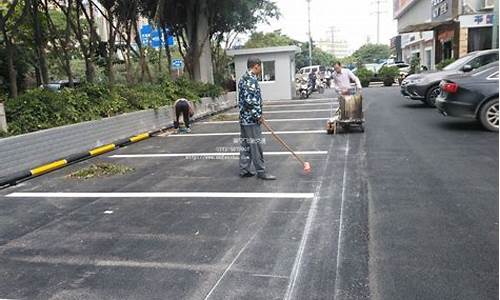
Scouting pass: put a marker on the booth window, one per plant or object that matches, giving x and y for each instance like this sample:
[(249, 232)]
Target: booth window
[(268, 71)]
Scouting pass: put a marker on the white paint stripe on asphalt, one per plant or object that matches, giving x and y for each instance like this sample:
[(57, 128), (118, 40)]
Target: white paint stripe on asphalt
[(311, 215), (230, 265), (301, 100), (270, 276), (341, 223), (159, 195), (298, 104), (210, 154), (285, 111), (268, 120), (237, 133)]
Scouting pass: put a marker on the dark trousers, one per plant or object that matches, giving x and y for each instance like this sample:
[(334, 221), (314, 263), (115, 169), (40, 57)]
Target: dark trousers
[(251, 148), (181, 107)]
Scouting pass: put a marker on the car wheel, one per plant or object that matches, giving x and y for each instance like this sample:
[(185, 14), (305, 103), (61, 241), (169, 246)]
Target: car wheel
[(488, 115), (432, 94)]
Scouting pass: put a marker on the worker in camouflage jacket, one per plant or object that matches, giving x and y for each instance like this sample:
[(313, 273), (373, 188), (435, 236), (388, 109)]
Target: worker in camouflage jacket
[(250, 105)]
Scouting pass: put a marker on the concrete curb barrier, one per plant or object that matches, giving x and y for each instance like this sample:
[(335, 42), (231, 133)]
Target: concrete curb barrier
[(207, 107)]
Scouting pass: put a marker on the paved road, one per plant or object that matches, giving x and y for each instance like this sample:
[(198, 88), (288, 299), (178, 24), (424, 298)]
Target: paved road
[(407, 210)]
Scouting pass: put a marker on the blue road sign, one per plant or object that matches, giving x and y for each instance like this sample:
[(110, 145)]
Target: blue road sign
[(177, 64), (154, 37)]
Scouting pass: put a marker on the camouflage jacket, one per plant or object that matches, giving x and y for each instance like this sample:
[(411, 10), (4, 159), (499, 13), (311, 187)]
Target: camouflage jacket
[(249, 99)]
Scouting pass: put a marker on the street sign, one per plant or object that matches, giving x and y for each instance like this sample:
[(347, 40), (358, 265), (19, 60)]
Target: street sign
[(177, 64), (154, 37)]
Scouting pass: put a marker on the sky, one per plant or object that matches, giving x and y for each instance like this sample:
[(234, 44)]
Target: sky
[(354, 20)]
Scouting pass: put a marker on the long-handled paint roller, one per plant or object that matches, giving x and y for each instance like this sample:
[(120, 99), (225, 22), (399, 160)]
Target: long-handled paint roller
[(305, 164)]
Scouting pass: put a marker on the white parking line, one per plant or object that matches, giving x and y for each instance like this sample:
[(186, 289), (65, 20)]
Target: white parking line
[(268, 120), (229, 266), (299, 104), (212, 154), (159, 195), (301, 100), (237, 133), (285, 111)]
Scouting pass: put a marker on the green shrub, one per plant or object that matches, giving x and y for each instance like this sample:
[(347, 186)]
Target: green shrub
[(444, 63), (364, 76), (41, 109), (389, 72)]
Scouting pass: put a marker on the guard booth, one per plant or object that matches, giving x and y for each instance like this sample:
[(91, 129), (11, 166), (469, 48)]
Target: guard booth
[(277, 80)]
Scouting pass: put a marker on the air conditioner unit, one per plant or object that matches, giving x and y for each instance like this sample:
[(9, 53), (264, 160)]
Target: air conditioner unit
[(489, 4)]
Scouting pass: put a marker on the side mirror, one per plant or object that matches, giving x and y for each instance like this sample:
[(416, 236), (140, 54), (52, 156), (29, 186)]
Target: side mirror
[(467, 68)]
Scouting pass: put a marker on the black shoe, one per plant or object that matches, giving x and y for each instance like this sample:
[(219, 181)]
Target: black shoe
[(265, 176), (247, 174)]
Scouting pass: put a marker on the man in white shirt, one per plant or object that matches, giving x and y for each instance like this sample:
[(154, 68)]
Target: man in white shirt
[(342, 79)]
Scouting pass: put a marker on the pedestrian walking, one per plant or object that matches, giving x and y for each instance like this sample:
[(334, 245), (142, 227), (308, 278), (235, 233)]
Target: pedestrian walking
[(250, 105), (184, 108)]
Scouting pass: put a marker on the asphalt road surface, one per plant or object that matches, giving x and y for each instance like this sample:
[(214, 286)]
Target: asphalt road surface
[(406, 210)]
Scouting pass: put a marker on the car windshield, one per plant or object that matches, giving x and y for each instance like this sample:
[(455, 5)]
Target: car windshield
[(457, 64)]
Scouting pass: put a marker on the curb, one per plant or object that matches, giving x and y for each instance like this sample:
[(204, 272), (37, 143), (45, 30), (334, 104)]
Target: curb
[(15, 178)]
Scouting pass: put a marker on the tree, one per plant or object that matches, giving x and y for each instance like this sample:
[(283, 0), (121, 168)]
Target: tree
[(372, 53), (8, 28), (271, 39), (319, 57), (195, 23)]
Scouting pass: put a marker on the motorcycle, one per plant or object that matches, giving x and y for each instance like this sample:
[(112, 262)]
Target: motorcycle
[(303, 88)]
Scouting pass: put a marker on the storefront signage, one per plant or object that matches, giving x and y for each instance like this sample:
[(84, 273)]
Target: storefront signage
[(441, 9), (470, 21)]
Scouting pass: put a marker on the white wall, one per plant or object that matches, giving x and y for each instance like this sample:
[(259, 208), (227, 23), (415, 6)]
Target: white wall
[(282, 87)]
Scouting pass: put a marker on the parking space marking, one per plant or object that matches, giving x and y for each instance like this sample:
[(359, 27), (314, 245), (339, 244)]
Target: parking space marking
[(237, 133), (285, 111), (213, 154), (298, 104), (268, 120), (160, 195), (230, 265), (301, 100), (270, 276), (311, 215)]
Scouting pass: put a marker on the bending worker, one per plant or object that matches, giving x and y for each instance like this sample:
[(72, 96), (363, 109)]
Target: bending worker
[(250, 105), (342, 79), (185, 108)]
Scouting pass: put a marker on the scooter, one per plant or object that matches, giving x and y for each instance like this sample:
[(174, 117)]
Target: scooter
[(303, 88)]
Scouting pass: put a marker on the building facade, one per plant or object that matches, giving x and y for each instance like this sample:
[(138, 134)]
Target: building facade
[(338, 48), (444, 29)]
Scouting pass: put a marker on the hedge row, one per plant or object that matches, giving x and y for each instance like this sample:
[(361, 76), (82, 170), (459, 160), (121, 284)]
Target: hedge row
[(39, 109)]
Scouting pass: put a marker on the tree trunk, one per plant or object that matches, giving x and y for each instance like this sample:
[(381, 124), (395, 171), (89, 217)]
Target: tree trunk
[(10, 59), (111, 50), (198, 33), (67, 62), (11, 67), (39, 42), (128, 59), (142, 57), (167, 51)]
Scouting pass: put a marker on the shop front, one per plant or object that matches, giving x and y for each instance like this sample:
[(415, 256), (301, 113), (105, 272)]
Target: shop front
[(447, 33), (447, 41), (476, 32)]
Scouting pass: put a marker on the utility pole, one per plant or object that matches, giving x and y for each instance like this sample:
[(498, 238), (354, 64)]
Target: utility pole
[(309, 26), (378, 12), (332, 31)]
